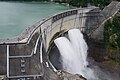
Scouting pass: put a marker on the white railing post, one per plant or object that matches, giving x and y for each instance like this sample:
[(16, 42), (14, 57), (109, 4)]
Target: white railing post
[(8, 61), (41, 59)]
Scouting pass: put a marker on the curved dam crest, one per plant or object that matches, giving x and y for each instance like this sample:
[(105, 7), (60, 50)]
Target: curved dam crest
[(22, 55)]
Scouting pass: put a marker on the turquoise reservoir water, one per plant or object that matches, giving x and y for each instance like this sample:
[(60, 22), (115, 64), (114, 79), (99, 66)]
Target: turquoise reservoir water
[(15, 17)]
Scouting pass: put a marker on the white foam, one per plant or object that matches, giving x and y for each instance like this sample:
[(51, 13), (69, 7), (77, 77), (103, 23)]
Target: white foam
[(74, 54)]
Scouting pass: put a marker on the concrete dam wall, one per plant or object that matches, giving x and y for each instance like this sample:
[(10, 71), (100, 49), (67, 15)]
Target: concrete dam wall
[(23, 56)]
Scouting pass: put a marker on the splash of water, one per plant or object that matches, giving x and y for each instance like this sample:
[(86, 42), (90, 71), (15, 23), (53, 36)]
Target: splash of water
[(74, 54), (79, 45)]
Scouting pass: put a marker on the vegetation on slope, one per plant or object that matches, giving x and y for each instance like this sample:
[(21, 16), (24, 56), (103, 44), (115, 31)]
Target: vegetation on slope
[(112, 38), (77, 3), (83, 3)]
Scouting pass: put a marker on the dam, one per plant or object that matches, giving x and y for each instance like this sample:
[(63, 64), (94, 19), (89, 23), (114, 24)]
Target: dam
[(25, 57)]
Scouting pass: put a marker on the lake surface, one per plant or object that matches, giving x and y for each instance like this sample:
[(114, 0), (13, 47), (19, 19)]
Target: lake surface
[(15, 17)]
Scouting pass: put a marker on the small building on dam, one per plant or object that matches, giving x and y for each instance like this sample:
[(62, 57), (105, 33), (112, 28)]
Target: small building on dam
[(26, 56)]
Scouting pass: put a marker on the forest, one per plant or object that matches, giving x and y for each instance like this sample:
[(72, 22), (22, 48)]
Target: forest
[(77, 3), (112, 37)]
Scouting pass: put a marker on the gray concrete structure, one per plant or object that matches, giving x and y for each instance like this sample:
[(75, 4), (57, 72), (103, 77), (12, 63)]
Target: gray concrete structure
[(21, 57), (108, 12)]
